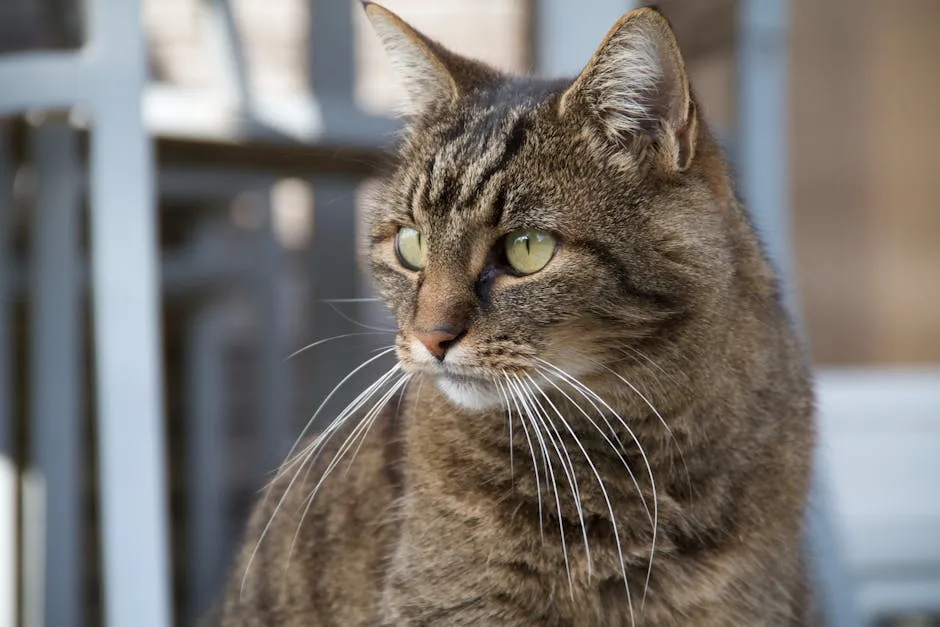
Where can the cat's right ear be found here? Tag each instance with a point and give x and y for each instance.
(432, 75)
(636, 88)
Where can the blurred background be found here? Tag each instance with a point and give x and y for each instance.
(180, 191)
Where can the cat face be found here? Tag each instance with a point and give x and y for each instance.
(540, 229)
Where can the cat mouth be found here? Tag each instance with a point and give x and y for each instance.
(469, 391)
(463, 378)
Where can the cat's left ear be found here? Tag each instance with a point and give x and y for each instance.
(635, 86)
(432, 75)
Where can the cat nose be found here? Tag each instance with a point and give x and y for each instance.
(439, 340)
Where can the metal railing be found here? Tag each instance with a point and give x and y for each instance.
(104, 79)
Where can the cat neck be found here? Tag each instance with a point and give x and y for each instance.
(602, 449)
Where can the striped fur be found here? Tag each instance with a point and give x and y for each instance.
(620, 438)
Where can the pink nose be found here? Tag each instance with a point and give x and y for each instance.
(438, 340)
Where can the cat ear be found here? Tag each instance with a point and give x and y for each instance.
(432, 75)
(636, 87)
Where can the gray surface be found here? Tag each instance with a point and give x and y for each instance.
(332, 66)
(6, 293)
(269, 274)
(334, 267)
(331, 59)
(57, 404)
(567, 33)
(207, 528)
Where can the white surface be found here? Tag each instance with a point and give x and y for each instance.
(880, 452)
(8, 513)
(203, 114)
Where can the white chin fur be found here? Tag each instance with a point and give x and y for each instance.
(469, 394)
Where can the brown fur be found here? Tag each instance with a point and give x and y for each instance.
(659, 296)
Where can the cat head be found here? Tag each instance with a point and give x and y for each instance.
(540, 227)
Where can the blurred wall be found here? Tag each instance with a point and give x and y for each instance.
(865, 158)
(865, 165)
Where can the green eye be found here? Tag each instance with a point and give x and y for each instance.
(528, 250)
(412, 248)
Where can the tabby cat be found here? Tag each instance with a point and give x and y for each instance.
(600, 413)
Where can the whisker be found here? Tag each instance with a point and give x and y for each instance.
(644, 366)
(535, 465)
(600, 483)
(359, 434)
(373, 299)
(659, 416)
(681, 456)
(512, 461)
(401, 397)
(304, 457)
(609, 442)
(311, 452)
(330, 339)
(326, 400)
(646, 358)
(550, 471)
(649, 468)
(400, 385)
(363, 427)
(512, 466)
(572, 477)
(356, 322)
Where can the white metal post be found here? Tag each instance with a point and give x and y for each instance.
(126, 324)
(9, 510)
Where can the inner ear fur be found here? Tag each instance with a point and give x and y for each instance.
(635, 89)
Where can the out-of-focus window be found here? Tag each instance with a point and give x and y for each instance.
(175, 30)
(187, 40)
(185, 36)
(494, 31)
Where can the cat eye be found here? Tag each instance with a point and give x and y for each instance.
(528, 250)
(412, 248)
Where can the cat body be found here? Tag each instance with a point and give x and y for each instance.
(600, 415)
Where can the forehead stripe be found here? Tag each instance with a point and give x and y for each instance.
(515, 138)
